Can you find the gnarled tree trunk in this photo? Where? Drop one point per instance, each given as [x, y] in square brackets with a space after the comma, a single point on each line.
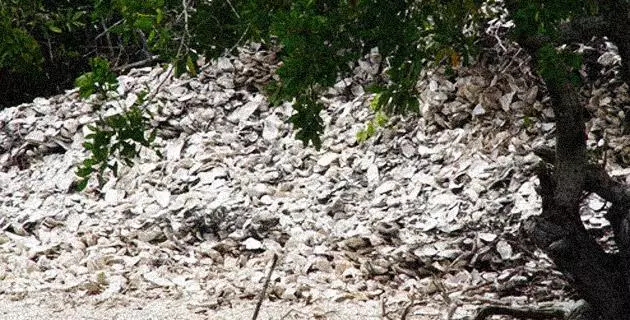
[601, 278]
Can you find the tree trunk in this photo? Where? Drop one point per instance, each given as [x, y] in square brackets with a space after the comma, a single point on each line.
[601, 278]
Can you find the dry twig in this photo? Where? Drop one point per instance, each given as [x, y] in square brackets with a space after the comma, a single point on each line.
[264, 290]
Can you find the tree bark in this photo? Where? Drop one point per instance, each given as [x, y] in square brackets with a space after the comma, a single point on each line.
[599, 277]
[618, 31]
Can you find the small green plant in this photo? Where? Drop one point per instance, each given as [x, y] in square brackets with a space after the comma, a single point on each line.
[306, 120]
[528, 122]
[100, 80]
[380, 120]
[116, 138]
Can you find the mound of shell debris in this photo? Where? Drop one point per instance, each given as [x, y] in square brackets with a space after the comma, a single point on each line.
[426, 212]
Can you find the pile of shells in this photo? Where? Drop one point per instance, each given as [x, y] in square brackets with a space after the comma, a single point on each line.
[429, 207]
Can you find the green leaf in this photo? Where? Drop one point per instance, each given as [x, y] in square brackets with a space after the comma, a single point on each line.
[82, 184]
[361, 136]
[191, 66]
[144, 22]
[54, 29]
[375, 104]
[152, 135]
[370, 130]
[84, 171]
[159, 15]
[381, 119]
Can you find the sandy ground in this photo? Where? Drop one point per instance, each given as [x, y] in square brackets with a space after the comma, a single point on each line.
[55, 306]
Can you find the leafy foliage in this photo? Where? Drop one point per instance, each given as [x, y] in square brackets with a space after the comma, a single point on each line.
[307, 118]
[321, 40]
[558, 67]
[157, 27]
[115, 138]
[38, 47]
[101, 79]
[380, 120]
[543, 19]
[46, 44]
[19, 51]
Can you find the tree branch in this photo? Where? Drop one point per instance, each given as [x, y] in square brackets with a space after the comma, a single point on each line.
[519, 313]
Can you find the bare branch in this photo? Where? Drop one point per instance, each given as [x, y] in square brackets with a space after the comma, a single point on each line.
[265, 286]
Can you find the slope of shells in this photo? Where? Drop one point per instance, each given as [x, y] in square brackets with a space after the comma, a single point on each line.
[428, 210]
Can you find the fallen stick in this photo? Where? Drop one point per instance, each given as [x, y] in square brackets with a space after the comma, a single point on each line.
[264, 290]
